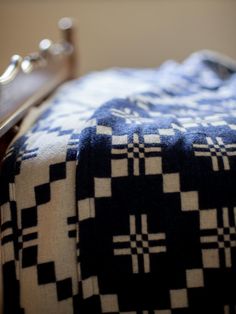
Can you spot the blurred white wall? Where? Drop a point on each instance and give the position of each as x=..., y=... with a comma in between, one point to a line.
x=134, y=33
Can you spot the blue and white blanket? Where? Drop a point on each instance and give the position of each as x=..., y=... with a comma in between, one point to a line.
x=121, y=198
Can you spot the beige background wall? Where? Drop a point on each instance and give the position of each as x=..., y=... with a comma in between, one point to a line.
x=133, y=33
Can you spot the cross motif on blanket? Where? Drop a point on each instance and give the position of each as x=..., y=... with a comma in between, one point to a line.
x=193, y=122
x=136, y=155
x=218, y=152
x=130, y=116
x=139, y=244
x=218, y=236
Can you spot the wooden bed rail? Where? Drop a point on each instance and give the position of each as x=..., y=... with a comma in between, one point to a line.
x=29, y=80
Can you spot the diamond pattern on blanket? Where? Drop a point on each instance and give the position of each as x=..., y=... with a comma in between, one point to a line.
x=29, y=256
x=195, y=278
x=179, y=298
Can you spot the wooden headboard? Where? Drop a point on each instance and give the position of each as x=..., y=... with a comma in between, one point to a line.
x=28, y=80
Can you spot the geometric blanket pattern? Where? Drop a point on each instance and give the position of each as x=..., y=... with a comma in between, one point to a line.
x=121, y=197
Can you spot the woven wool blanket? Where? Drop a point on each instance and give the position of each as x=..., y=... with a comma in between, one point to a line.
x=121, y=196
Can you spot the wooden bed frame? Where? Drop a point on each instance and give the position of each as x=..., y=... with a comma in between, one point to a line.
x=29, y=80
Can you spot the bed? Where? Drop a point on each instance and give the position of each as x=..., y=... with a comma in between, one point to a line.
x=117, y=193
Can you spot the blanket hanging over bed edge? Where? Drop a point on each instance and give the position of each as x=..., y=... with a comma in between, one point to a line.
x=121, y=197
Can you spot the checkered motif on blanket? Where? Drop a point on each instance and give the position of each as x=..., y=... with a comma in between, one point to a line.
x=121, y=197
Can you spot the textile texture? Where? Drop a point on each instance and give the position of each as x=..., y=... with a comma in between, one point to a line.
x=122, y=196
